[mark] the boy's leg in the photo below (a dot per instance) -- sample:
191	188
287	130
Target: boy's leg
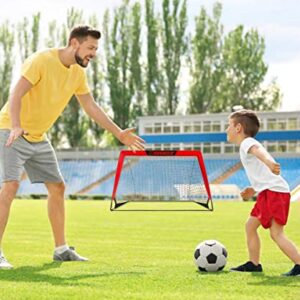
253	241
286	246
253	244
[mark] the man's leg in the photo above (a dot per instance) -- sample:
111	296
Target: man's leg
12	159
7	194
43	167
56	211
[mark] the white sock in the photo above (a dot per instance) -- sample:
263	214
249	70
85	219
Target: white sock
61	249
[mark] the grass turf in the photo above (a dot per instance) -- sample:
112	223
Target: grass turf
139	255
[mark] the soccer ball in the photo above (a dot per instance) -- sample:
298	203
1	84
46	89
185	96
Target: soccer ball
210	256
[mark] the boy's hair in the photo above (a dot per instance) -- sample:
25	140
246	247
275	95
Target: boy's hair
81	32
248	120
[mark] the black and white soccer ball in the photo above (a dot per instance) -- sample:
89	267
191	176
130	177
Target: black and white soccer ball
210	256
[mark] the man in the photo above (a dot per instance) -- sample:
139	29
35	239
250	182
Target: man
48	80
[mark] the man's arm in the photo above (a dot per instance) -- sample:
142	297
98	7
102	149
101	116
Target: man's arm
21	88
127	136
262	154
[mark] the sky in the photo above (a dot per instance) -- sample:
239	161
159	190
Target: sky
277	21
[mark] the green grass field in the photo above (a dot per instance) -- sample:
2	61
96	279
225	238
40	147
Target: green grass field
139	255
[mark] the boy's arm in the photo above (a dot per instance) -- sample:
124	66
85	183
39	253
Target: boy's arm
262	154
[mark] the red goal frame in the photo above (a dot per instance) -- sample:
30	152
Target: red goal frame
192	153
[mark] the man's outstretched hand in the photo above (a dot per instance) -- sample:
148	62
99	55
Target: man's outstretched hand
130	139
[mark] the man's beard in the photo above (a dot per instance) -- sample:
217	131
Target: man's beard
80	61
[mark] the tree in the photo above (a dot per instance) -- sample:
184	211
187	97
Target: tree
95	77
206	63
266	98
74	121
112	55
230	70
56	35
123	69
174	47
153	77
136	80
55	39
29	39
244	73
6	60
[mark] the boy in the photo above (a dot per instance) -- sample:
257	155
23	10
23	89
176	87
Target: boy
273	200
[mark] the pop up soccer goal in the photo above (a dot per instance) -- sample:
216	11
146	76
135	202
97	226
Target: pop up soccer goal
161	176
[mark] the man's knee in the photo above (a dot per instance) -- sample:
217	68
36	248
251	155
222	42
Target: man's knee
57	189
9	190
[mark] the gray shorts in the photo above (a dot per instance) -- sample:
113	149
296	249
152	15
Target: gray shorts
38	159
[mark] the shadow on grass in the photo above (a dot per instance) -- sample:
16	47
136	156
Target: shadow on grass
291	281
219	273
34	274
261	278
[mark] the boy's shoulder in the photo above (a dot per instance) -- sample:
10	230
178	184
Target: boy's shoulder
247	143
250	140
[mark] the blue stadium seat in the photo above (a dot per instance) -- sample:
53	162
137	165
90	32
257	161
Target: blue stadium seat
79	174
289	170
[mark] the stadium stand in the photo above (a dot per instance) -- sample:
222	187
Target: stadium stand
96	177
78	174
239	178
289	170
92	172
216	167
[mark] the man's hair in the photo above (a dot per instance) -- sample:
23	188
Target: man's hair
81	32
248	120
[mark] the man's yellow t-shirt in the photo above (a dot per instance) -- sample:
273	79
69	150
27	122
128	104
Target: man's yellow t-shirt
53	86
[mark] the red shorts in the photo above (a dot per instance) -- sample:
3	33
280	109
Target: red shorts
271	205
